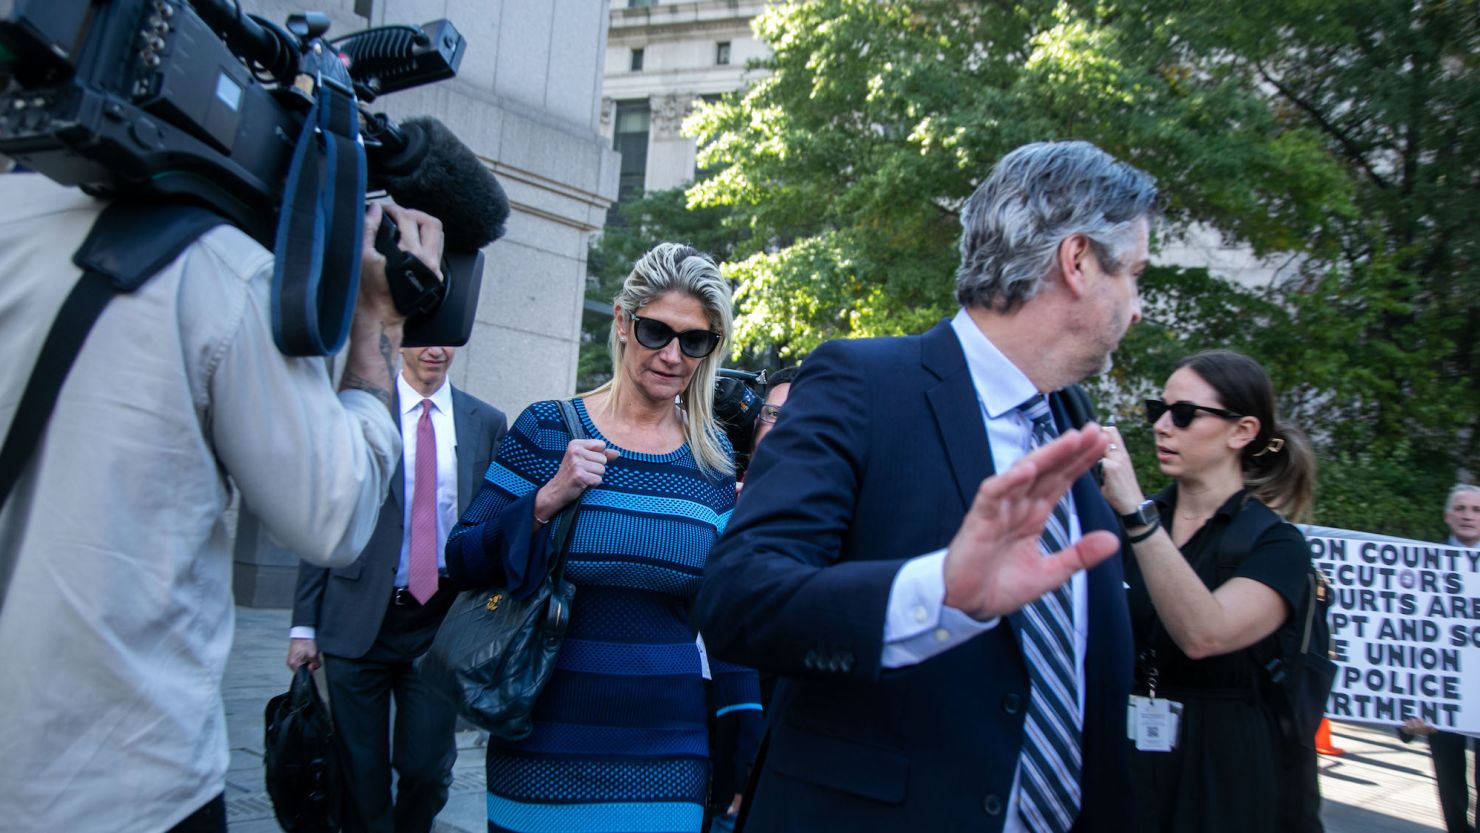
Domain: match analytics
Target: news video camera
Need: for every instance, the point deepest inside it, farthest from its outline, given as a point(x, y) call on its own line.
point(736, 404)
point(195, 101)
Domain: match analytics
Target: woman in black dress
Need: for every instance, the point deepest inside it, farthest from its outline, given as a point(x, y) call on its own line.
point(1205, 629)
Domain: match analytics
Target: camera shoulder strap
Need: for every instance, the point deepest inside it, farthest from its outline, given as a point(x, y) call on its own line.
point(320, 228)
point(128, 244)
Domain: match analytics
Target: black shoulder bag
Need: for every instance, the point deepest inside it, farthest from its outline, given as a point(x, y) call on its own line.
point(494, 653)
point(1300, 676)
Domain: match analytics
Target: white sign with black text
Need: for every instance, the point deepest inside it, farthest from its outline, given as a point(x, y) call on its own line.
point(1405, 629)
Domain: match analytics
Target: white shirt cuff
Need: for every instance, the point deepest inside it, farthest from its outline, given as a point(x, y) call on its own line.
point(918, 624)
point(302, 632)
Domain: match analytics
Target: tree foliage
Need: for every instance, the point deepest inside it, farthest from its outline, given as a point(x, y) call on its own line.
point(1341, 132)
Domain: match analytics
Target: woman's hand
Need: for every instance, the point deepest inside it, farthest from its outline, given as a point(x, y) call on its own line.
point(583, 466)
point(1121, 490)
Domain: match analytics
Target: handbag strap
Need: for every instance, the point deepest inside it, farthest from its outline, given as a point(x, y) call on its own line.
point(566, 520)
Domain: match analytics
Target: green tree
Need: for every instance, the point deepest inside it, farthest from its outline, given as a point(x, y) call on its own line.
point(1384, 336)
point(1339, 132)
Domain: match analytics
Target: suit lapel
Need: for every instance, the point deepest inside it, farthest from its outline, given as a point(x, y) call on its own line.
point(957, 412)
point(398, 480)
point(463, 432)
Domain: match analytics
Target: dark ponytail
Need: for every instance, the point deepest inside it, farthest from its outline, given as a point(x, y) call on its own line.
point(1279, 464)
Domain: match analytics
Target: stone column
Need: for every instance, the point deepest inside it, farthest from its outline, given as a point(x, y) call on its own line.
point(527, 101)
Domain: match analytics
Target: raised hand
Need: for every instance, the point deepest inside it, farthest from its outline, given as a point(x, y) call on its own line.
point(993, 566)
point(1121, 490)
point(583, 466)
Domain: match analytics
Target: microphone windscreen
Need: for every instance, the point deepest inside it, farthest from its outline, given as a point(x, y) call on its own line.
point(452, 185)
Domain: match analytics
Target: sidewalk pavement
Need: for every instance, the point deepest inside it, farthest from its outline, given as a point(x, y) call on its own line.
point(254, 675)
point(1379, 786)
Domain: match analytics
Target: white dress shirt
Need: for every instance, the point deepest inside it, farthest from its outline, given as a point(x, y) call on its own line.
point(918, 624)
point(443, 427)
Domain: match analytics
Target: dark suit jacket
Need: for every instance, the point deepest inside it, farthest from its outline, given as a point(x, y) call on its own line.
point(346, 605)
point(876, 457)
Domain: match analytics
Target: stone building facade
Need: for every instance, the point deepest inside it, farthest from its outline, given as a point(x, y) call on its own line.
point(661, 58)
point(527, 100)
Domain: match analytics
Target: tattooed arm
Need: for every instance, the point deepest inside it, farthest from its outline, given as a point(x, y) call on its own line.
point(312, 465)
point(375, 334)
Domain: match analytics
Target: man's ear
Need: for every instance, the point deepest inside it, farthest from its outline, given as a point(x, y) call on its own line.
point(1070, 262)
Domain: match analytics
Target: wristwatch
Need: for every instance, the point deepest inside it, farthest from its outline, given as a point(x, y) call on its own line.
point(1144, 515)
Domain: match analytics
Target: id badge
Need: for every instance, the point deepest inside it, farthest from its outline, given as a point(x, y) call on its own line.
point(1152, 722)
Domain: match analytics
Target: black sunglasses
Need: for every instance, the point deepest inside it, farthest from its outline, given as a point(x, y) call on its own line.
point(1182, 412)
point(655, 335)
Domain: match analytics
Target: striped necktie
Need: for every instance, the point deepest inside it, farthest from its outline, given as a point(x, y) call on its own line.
point(1051, 757)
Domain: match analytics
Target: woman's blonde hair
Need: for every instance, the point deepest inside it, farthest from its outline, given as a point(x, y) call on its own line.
point(672, 267)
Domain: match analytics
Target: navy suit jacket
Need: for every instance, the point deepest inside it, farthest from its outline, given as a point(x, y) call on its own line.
point(347, 605)
point(877, 455)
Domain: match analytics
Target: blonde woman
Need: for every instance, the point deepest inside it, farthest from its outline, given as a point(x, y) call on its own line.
point(620, 739)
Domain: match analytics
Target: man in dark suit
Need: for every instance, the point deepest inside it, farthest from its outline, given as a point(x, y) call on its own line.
point(927, 566)
point(371, 619)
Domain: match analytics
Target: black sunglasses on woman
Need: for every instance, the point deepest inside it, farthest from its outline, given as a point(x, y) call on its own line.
point(1182, 412)
point(655, 335)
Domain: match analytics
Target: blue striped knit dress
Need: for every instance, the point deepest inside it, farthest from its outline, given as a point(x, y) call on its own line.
point(620, 738)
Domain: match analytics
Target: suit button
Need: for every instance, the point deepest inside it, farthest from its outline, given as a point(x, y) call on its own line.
point(993, 805)
point(810, 662)
point(1012, 703)
point(847, 662)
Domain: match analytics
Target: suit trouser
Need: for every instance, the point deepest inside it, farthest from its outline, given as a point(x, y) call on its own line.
point(1448, 751)
point(420, 746)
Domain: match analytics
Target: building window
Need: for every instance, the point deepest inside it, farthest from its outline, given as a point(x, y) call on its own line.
point(636, 60)
point(631, 140)
point(640, 4)
point(722, 52)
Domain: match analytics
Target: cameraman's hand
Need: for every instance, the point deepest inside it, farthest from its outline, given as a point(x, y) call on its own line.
point(375, 334)
point(421, 235)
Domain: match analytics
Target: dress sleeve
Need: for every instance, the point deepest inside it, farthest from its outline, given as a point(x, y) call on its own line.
point(495, 541)
point(1280, 559)
point(739, 725)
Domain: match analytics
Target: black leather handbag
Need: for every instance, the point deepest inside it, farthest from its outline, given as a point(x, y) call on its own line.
point(300, 759)
point(493, 653)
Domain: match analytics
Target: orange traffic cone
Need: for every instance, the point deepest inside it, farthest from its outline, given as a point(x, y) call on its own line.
point(1323, 740)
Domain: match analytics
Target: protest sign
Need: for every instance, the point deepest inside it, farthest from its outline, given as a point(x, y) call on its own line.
point(1405, 629)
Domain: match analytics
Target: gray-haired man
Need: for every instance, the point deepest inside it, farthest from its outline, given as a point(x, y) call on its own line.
point(888, 555)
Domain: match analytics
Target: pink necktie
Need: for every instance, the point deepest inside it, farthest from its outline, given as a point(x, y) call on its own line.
point(421, 572)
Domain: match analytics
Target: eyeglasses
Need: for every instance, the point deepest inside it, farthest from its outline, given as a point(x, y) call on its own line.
point(1182, 412)
point(655, 335)
point(769, 413)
